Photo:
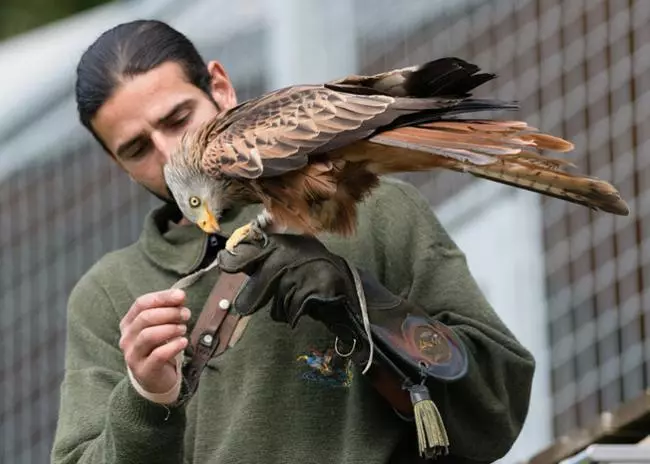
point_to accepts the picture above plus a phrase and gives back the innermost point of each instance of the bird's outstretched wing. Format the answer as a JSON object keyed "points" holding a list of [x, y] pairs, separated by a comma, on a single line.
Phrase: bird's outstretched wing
{"points": [[323, 139], [277, 132]]}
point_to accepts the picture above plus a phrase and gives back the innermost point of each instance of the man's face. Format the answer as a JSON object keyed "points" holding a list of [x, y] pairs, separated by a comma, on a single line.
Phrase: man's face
{"points": [[143, 121]]}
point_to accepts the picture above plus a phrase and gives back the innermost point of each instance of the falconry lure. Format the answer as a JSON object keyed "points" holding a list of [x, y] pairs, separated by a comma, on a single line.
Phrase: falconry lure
{"points": [[310, 153]]}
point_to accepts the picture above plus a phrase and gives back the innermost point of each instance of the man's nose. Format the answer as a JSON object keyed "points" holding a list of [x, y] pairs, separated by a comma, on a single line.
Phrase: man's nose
{"points": [[164, 144]]}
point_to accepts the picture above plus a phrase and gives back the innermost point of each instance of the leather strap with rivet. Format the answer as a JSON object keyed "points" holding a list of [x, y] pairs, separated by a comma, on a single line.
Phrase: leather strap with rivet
{"points": [[212, 331]]}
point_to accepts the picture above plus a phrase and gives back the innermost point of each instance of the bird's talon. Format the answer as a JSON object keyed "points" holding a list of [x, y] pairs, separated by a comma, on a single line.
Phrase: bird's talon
{"points": [[238, 236], [252, 232], [258, 234], [231, 244]]}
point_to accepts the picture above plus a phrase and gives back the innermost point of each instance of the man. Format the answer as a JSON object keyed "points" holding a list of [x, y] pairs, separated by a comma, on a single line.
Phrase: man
{"points": [[267, 398]]}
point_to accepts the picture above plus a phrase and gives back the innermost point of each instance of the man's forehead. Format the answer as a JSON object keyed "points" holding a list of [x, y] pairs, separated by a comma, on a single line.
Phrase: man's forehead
{"points": [[140, 101]]}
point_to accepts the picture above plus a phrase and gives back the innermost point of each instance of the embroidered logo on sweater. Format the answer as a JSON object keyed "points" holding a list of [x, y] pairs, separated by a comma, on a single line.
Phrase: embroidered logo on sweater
{"points": [[326, 368]]}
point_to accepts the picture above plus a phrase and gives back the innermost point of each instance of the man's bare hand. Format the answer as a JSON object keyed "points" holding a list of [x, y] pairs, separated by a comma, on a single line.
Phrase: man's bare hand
{"points": [[152, 335]]}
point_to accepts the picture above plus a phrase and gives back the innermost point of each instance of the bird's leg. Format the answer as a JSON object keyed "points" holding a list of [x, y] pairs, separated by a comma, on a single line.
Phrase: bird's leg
{"points": [[239, 235], [253, 231]]}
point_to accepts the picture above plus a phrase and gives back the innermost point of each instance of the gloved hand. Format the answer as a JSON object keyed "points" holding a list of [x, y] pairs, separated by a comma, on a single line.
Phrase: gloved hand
{"points": [[302, 277], [297, 272]]}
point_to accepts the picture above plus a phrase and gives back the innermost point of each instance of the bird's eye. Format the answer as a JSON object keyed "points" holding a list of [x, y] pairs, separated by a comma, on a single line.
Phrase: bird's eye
{"points": [[195, 202]]}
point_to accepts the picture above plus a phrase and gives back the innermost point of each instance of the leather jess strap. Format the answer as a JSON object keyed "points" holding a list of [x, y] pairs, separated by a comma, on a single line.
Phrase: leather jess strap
{"points": [[214, 328]]}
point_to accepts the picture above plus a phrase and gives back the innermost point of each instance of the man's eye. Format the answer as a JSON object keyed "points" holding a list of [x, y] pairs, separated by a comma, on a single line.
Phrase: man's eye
{"points": [[181, 120], [137, 152]]}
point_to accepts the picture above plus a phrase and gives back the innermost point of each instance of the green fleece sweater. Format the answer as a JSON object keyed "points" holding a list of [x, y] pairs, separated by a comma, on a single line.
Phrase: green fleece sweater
{"points": [[263, 400]]}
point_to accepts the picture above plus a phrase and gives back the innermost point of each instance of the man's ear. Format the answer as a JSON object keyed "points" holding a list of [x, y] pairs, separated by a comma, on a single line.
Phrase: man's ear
{"points": [[221, 87]]}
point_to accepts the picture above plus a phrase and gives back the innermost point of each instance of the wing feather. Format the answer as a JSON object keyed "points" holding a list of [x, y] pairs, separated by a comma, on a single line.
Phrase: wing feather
{"points": [[284, 128], [300, 121]]}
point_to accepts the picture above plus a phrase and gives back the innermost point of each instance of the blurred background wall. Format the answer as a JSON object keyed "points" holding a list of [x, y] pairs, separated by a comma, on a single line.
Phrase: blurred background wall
{"points": [[570, 283]]}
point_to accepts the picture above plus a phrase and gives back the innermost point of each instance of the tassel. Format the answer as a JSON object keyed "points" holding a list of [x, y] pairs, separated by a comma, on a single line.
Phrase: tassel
{"points": [[432, 436]]}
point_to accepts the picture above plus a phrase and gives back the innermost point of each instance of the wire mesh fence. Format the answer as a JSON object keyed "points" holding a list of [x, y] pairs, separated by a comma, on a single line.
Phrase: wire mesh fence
{"points": [[579, 69], [58, 218]]}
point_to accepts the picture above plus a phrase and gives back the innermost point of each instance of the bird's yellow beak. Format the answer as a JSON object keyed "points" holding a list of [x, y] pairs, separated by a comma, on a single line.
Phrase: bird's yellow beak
{"points": [[207, 222]]}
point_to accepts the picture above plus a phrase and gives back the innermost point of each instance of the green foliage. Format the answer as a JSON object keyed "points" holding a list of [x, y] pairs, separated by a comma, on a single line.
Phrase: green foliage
{"points": [[18, 16]]}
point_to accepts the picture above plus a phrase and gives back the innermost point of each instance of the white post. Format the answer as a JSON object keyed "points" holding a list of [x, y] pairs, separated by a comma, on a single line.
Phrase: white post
{"points": [[310, 41]]}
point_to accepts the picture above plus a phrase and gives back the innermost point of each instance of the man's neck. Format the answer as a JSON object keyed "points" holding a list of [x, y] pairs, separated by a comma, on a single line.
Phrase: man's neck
{"points": [[184, 222]]}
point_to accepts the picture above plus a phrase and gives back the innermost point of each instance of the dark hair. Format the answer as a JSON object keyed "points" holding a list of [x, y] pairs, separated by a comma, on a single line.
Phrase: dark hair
{"points": [[128, 50]]}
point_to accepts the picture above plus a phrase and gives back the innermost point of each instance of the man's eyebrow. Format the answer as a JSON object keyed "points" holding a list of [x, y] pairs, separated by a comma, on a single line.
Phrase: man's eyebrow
{"points": [[178, 107]]}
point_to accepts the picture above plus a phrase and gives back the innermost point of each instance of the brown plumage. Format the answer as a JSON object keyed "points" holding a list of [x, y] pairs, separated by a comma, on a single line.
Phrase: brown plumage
{"points": [[310, 153]]}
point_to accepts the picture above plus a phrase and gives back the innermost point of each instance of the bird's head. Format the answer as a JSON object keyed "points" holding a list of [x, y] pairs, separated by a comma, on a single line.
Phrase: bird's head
{"points": [[200, 197]]}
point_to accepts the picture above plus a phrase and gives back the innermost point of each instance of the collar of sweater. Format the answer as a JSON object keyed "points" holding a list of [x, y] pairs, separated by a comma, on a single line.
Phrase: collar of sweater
{"points": [[180, 249]]}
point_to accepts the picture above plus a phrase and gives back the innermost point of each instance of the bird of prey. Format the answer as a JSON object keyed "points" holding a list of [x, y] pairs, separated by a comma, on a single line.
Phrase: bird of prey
{"points": [[310, 153]]}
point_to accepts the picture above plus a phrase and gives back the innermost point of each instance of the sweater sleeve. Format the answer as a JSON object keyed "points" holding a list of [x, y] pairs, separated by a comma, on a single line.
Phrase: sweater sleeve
{"points": [[102, 419], [484, 411]]}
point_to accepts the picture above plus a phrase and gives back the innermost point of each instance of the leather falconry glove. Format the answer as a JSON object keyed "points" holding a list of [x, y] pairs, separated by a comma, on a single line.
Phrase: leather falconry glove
{"points": [[396, 342]]}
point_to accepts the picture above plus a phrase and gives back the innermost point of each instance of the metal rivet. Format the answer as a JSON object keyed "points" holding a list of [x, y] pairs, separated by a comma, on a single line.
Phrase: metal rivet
{"points": [[224, 304], [207, 340]]}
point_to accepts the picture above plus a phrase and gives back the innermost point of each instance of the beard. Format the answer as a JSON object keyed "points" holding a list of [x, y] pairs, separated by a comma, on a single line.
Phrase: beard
{"points": [[173, 212], [167, 199]]}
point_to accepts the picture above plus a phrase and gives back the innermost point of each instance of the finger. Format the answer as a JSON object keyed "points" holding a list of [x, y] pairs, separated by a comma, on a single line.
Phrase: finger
{"points": [[171, 297], [154, 317], [162, 355], [153, 337], [151, 318]]}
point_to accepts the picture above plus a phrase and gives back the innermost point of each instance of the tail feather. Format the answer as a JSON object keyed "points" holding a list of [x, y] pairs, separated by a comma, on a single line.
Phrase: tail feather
{"points": [[587, 191], [423, 111], [501, 151]]}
